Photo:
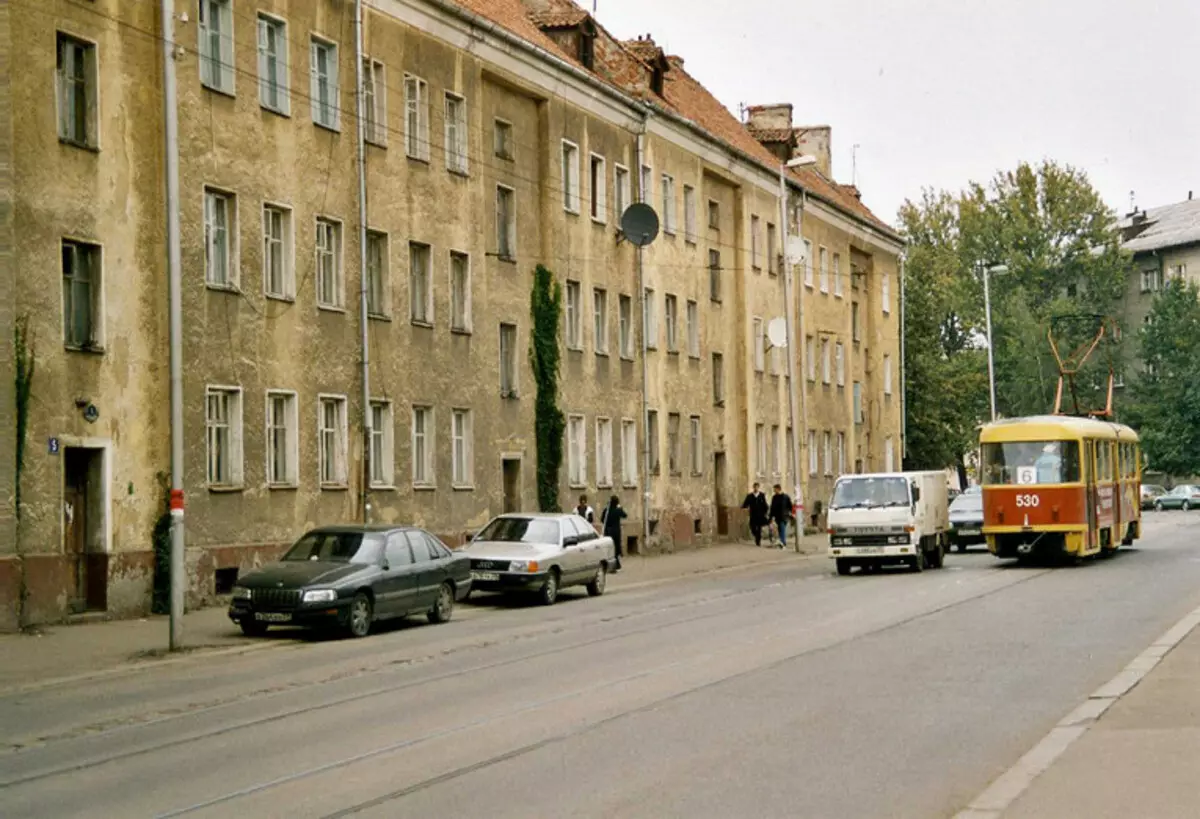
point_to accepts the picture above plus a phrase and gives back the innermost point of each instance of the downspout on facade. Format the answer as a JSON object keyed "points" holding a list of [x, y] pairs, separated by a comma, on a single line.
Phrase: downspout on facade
{"points": [[360, 110]]}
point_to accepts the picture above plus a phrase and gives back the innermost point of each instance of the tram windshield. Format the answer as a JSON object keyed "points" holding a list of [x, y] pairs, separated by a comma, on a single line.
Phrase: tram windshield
{"points": [[1030, 462]]}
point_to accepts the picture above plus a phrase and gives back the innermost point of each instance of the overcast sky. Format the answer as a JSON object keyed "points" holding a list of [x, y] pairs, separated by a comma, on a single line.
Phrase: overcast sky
{"points": [[940, 92]]}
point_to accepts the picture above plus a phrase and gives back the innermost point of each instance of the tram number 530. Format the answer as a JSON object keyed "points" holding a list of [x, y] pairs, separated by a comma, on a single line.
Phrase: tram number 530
{"points": [[1028, 500]]}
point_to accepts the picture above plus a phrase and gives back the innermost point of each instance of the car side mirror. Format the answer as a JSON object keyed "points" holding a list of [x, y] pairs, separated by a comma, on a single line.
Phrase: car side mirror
{"points": [[470, 537], [570, 540], [916, 494]]}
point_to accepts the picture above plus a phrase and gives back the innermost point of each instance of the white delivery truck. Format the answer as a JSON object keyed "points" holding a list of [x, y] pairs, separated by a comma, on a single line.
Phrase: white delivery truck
{"points": [[891, 517]]}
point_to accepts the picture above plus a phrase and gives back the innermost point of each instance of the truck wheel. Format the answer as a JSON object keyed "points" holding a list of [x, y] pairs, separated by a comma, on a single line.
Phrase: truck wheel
{"points": [[843, 566], [938, 555], [917, 564]]}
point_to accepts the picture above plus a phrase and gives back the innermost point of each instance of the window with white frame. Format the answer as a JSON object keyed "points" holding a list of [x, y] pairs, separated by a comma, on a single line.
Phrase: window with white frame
{"points": [[220, 239], [839, 352], [574, 323], [855, 328], [1151, 280], [646, 189], [825, 361], [81, 294], [377, 273], [383, 465], [416, 118], [824, 258], [693, 329], [696, 445], [858, 402], [810, 358], [629, 453], [622, 197], [812, 452], [598, 187], [576, 451], [760, 450], [759, 345], [462, 446], [332, 439], [216, 45], [671, 315], [652, 440], [330, 290], [718, 379], [223, 425], [668, 204], [283, 439], [714, 275], [77, 91], [460, 292], [650, 320], [570, 176], [279, 270], [456, 133], [625, 325], [886, 292], [755, 243], [674, 456], [604, 452], [776, 452], [508, 361], [600, 319], [502, 139], [887, 375], [837, 274], [422, 446], [323, 59], [506, 223], [420, 283], [889, 455], [841, 453], [772, 250], [689, 214], [827, 446], [274, 85], [714, 215], [808, 263]]}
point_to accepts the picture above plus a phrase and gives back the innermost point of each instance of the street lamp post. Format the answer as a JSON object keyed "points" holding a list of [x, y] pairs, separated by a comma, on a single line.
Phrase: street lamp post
{"points": [[987, 315]]}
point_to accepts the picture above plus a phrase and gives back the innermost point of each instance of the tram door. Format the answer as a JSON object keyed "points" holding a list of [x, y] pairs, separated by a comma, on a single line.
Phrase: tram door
{"points": [[1092, 476]]}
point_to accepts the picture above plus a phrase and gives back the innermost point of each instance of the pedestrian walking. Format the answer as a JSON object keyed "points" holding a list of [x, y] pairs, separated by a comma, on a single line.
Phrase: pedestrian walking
{"points": [[611, 518], [781, 513], [756, 504], [584, 511]]}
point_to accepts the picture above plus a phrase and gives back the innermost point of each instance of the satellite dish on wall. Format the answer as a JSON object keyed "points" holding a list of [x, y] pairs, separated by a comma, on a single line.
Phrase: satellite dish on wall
{"points": [[639, 223], [777, 332]]}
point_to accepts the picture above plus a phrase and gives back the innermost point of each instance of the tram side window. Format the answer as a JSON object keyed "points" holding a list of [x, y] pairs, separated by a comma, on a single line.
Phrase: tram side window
{"points": [[1030, 462]]}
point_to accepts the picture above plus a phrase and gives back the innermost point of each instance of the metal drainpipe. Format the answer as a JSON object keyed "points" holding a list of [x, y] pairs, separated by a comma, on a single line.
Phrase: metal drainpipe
{"points": [[803, 429], [903, 377], [360, 107], [641, 152], [788, 307]]}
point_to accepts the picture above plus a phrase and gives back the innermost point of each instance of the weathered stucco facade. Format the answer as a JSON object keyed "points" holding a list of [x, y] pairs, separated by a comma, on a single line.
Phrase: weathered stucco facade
{"points": [[503, 136]]}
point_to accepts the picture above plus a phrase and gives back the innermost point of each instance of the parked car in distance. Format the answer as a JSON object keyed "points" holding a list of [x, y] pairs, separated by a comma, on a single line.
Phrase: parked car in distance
{"points": [[348, 577], [1185, 496], [540, 553], [966, 518], [1150, 493]]}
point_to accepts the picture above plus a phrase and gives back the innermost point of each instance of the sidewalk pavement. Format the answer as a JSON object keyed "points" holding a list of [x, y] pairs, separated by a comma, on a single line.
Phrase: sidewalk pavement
{"points": [[61, 652], [1140, 759]]}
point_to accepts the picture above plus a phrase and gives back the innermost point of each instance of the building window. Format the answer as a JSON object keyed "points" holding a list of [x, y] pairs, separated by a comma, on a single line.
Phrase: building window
{"points": [[576, 451], [645, 194], [772, 252], [693, 329], [382, 444], [283, 439], [223, 424], [827, 445], [329, 264], [671, 312], [808, 263], [273, 82], [502, 139], [332, 440], [377, 273], [837, 275], [625, 325], [649, 320], [1151, 281], [689, 214], [460, 292], [462, 446], [508, 361], [326, 111], [718, 376], [652, 440], [420, 283], [824, 255], [629, 453], [758, 340], [598, 185], [416, 118], [810, 359], [760, 450], [696, 447], [422, 446], [604, 453], [456, 133], [574, 324], [621, 193], [714, 215], [825, 361], [668, 204], [886, 294], [279, 273], [506, 224], [858, 403], [1177, 271], [77, 87], [220, 239], [887, 375], [889, 455], [714, 275], [855, 328], [755, 243], [674, 456], [839, 351], [375, 125], [570, 176], [841, 453], [812, 452], [776, 453], [600, 319], [216, 45], [81, 295]]}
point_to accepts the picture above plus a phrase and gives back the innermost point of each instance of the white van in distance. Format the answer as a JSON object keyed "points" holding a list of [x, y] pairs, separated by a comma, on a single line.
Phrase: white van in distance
{"points": [[891, 517]]}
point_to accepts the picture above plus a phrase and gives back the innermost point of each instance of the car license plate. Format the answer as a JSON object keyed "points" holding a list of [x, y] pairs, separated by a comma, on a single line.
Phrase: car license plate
{"points": [[272, 617], [870, 550], [968, 531], [485, 576]]}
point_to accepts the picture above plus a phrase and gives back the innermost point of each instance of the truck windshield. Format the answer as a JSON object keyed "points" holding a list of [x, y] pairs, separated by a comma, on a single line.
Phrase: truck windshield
{"points": [[1030, 462], [870, 492]]}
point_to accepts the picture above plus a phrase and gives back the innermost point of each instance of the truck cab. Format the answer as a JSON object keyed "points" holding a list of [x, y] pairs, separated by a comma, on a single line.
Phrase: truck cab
{"points": [[889, 517]]}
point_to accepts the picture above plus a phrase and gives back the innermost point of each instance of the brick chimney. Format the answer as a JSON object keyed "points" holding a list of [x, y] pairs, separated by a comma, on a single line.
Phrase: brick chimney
{"points": [[816, 140], [771, 125]]}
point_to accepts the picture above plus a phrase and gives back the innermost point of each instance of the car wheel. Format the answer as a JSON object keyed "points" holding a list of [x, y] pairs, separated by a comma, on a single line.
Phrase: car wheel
{"points": [[362, 612], [252, 628], [1186, 506], [443, 609], [549, 591], [1158, 507], [843, 566], [596, 587]]}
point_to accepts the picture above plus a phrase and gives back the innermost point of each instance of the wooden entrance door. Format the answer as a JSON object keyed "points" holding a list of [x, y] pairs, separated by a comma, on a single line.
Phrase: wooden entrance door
{"points": [[75, 523]]}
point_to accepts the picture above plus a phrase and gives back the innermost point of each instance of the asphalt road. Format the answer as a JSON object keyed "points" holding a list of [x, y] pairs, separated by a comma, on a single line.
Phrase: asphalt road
{"points": [[773, 692]]}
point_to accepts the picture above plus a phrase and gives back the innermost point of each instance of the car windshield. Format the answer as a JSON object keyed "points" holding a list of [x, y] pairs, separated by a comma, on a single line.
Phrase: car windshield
{"points": [[336, 547], [1030, 462], [869, 492], [967, 502], [521, 530]]}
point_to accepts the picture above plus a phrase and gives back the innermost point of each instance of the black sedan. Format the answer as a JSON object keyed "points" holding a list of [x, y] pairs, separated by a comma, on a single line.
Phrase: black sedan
{"points": [[348, 577]]}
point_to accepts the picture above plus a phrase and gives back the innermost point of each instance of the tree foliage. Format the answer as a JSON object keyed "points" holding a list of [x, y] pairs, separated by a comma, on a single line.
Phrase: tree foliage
{"points": [[544, 355]]}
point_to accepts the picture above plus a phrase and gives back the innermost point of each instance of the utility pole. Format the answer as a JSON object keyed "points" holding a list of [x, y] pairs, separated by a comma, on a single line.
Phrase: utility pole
{"points": [[360, 98], [175, 332], [987, 310]]}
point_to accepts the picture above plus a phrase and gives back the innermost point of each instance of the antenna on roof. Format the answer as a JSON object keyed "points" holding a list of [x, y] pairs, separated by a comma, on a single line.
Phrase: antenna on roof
{"points": [[1132, 207], [854, 165], [741, 112]]}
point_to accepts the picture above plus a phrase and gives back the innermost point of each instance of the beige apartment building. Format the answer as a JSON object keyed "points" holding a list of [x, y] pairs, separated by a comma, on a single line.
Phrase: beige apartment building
{"points": [[500, 135], [1165, 245]]}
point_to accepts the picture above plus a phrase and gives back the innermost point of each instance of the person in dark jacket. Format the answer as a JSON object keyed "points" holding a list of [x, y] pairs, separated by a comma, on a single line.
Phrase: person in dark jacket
{"points": [[611, 519], [756, 503], [584, 511], [781, 513]]}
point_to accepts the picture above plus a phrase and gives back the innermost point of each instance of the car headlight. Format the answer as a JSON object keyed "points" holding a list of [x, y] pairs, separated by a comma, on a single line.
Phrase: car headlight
{"points": [[241, 593], [523, 566], [320, 596], [897, 539]]}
